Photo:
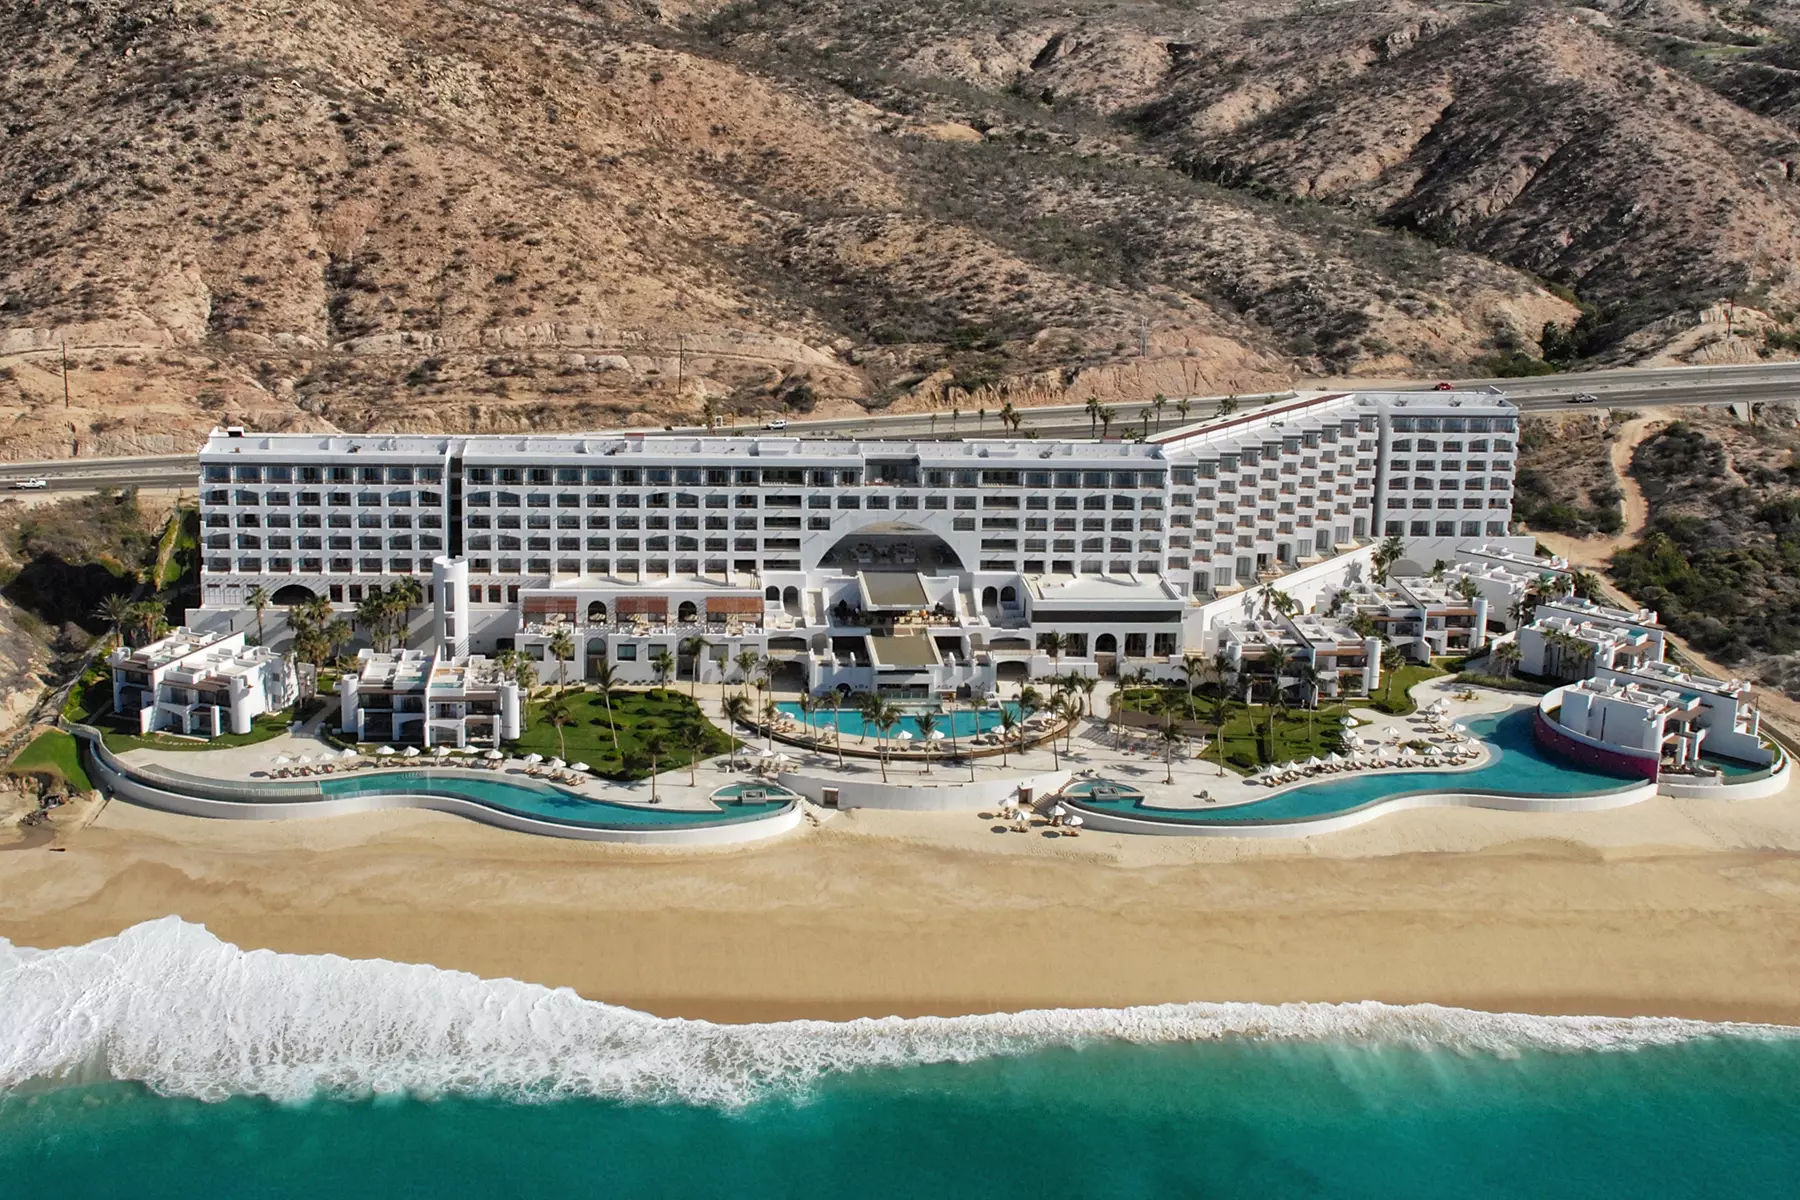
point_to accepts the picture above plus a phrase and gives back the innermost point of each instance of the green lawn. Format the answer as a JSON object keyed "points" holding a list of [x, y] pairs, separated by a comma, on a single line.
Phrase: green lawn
{"points": [[1394, 696], [1247, 731], [53, 753], [588, 737], [261, 730], [91, 694]]}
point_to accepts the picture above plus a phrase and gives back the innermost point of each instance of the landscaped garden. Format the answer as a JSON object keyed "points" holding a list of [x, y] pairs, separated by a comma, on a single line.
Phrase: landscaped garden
{"points": [[1394, 695], [1249, 739], [659, 726], [119, 739], [53, 753]]}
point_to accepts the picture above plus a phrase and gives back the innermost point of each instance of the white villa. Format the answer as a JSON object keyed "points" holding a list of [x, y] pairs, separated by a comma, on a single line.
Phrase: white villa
{"points": [[428, 697], [200, 684], [1614, 638]]}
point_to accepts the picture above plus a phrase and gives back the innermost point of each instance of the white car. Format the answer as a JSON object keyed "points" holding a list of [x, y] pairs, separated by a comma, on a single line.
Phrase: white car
{"points": [[776, 424], [30, 485]]}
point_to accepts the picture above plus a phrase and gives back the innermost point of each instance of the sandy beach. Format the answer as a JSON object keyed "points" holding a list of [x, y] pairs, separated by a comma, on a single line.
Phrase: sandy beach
{"points": [[1683, 908]]}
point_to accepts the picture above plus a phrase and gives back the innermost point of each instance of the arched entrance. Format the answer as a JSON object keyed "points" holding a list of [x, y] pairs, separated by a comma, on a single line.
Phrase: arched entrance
{"points": [[1106, 655], [596, 613], [891, 546], [790, 600], [293, 595], [772, 594], [1106, 643]]}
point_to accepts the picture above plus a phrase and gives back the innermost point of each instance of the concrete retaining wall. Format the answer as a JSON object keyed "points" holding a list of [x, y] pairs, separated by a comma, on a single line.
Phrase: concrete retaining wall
{"points": [[117, 778], [1115, 823], [938, 792], [1564, 743], [1742, 788]]}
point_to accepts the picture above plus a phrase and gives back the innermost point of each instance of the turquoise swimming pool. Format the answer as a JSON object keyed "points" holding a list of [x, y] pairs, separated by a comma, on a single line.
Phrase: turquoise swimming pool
{"points": [[528, 798], [962, 723], [1515, 767], [1102, 789]]}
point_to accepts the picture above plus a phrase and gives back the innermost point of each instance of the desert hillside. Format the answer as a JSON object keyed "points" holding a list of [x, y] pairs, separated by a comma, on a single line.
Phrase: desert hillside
{"points": [[360, 215]]}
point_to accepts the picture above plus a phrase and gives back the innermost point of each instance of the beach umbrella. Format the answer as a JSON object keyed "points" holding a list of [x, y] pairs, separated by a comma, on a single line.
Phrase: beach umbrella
{"points": [[385, 752], [1313, 761], [765, 752], [1075, 821], [346, 752], [442, 752], [493, 756], [580, 766], [936, 735], [532, 760], [1348, 722], [1334, 759], [1057, 810], [410, 752], [282, 760], [1434, 751], [302, 759], [557, 764]]}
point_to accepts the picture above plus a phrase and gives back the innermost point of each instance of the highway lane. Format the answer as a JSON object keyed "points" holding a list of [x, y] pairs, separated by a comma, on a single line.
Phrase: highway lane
{"points": [[1619, 388]]}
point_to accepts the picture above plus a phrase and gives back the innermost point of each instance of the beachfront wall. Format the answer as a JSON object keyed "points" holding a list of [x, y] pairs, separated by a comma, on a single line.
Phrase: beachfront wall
{"points": [[923, 793], [1565, 743], [120, 779]]}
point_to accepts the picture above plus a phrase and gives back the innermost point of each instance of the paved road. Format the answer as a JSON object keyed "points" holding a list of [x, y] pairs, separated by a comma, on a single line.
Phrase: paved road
{"points": [[1620, 388]]}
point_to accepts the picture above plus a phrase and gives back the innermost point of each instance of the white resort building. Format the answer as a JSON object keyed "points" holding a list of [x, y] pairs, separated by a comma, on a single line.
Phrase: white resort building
{"points": [[904, 567], [428, 697], [1571, 638], [200, 684]]}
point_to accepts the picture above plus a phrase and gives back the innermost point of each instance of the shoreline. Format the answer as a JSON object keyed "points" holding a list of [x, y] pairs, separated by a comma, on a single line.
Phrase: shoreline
{"points": [[1669, 908]]}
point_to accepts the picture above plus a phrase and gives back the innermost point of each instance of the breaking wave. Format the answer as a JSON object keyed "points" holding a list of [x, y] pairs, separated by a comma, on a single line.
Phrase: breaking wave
{"points": [[168, 1004]]}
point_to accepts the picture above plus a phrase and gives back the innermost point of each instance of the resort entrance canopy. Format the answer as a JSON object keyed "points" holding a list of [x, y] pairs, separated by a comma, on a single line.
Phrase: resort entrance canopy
{"points": [[885, 591]]}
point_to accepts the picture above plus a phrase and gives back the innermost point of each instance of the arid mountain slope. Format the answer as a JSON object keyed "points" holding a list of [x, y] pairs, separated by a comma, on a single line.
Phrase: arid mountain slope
{"points": [[362, 215]]}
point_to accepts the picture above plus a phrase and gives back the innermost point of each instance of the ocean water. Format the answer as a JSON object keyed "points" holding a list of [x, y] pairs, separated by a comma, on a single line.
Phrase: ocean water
{"points": [[164, 1063]]}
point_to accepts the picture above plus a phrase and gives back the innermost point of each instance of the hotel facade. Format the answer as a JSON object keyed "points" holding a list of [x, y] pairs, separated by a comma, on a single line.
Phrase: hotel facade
{"points": [[901, 566]]}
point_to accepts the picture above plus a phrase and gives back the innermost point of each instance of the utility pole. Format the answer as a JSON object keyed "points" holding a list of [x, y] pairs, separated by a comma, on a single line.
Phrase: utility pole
{"points": [[680, 362], [64, 346]]}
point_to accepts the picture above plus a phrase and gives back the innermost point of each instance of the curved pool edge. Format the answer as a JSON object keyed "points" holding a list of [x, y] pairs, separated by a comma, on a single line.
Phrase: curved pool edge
{"points": [[119, 780], [1113, 822]]}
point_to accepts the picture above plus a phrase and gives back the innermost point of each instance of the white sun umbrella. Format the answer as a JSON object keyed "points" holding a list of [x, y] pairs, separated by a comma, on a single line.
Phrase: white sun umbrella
{"points": [[442, 752], [347, 752], [282, 760], [385, 752], [1335, 759], [936, 735], [1057, 810], [533, 759], [493, 756], [1348, 722], [1074, 820], [1314, 761], [580, 766], [1434, 751], [557, 764], [410, 752], [302, 759], [905, 735], [765, 752]]}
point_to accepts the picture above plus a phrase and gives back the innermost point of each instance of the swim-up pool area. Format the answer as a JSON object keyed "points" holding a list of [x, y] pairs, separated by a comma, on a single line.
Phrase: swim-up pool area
{"points": [[962, 723], [1515, 768], [545, 802]]}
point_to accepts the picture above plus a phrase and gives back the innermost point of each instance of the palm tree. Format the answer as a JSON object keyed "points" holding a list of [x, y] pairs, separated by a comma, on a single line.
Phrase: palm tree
{"points": [[1170, 736], [746, 662], [808, 706], [886, 717], [1505, 658], [868, 705], [1054, 644], [1310, 683], [606, 679], [1093, 412], [1183, 406], [1279, 658], [1386, 555], [259, 600], [525, 671], [663, 663], [737, 712], [1159, 404], [1584, 584], [693, 646], [1277, 707], [562, 647], [693, 740], [115, 610], [927, 724], [557, 712], [1220, 712], [1066, 710], [771, 712], [147, 613], [833, 697], [1107, 417], [407, 595], [655, 744], [1009, 724], [1228, 405], [1030, 699]]}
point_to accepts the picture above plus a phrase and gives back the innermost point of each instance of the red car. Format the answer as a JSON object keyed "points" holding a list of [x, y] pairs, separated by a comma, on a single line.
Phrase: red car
{"points": [[1443, 387]]}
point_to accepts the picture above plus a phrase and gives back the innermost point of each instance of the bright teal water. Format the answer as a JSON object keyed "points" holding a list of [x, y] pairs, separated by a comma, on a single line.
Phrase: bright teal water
{"points": [[965, 722], [538, 800], [1516, 766], [1084, 788], [1707, 1118]]}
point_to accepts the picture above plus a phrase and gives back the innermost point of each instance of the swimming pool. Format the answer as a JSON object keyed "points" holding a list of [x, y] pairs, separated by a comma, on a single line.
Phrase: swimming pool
{"points": [[542, 801], [1515, 767], [1085, 789], [962, 723]]}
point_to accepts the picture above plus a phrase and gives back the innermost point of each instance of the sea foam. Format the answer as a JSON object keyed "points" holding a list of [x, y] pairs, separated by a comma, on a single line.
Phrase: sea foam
{"points": [[168, 1004]]}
